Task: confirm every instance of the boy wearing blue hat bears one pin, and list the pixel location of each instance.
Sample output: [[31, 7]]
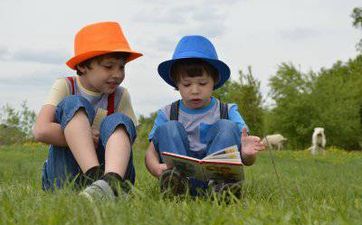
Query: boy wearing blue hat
[[198, 124]]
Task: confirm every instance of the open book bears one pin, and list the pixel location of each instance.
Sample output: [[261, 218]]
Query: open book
[[222, 165]]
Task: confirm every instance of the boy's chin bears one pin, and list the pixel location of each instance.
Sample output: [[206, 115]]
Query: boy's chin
[[197, 105], [109, 91]]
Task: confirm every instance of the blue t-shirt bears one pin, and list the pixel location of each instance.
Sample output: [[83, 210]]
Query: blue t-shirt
[[198, 121]]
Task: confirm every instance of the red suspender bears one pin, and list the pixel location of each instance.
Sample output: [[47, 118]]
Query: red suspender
[[110, 104], [71, 80]]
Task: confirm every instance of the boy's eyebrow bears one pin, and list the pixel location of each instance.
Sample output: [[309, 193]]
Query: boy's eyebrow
[[185, 81]]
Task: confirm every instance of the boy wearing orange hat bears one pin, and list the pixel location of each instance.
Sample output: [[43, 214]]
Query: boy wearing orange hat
[[88, 119]]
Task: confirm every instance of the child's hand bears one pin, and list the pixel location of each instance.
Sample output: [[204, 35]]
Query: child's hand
[[161, 167], [251, 145], [95, 137]]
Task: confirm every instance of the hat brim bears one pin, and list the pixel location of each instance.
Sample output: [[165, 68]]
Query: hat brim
[[164, 70], [74, 61]]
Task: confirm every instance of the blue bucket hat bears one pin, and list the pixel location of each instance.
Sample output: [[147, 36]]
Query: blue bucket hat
[[195, 47]]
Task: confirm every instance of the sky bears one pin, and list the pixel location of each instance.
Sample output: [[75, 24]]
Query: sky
[[37, 37]]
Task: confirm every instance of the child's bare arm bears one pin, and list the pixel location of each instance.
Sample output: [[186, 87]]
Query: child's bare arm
[[46, 130], [152, 161]]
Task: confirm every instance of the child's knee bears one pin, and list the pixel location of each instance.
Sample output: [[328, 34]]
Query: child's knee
[[71, 105], [117, 119], [72, 101], [170, 130], [224, 125], [171, 127], [114, 122]]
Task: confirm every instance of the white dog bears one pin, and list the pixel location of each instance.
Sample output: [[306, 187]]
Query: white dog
[[318, 141], [274, 141]]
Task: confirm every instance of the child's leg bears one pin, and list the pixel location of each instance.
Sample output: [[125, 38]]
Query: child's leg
[[62, 164], [222, 134], [171, 137], [59, 168], [118, 150], [117, 135], [79, 138]]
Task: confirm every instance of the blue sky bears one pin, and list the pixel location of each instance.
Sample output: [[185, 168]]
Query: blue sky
[[37, 39]]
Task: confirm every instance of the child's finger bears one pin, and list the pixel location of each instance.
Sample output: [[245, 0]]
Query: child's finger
[[164, 166], [244, 132], [256, 138], [168, 166]]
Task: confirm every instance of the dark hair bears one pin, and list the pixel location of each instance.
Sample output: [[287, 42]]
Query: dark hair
[[87, 63], [192, 68]]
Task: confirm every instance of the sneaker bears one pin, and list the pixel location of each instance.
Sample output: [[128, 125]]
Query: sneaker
[[98, 190], [172, 182], [119, 186], [85, 179]]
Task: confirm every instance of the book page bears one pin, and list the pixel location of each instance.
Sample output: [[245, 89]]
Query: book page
[[233, 161], [189, 166], [229, 151], [223, 172], [231, 156]]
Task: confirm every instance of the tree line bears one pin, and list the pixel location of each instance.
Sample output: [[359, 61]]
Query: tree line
[[330, 98]]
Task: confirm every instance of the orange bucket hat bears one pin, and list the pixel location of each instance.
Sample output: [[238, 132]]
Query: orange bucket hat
[[98, 39]]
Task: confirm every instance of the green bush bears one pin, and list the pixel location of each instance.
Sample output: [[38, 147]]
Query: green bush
[[246, 94], [330, 99], [16, 125], [143, 129]]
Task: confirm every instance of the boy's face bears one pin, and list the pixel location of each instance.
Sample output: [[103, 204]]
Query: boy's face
[[103, 76], [196, 91]]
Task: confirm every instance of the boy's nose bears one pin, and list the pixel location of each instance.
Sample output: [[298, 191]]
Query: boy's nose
[[118, 74], [194, 89]]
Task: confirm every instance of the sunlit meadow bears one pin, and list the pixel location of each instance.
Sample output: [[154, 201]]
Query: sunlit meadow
[[286, 187]]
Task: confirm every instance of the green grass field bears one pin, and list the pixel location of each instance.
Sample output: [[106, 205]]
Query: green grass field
[[326, 189]]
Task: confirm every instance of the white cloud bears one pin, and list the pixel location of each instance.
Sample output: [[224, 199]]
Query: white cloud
[[299, 33], [49, 56], [35, 46]]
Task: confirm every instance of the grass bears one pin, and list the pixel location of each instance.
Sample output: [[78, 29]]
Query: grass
[[325, 189]]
